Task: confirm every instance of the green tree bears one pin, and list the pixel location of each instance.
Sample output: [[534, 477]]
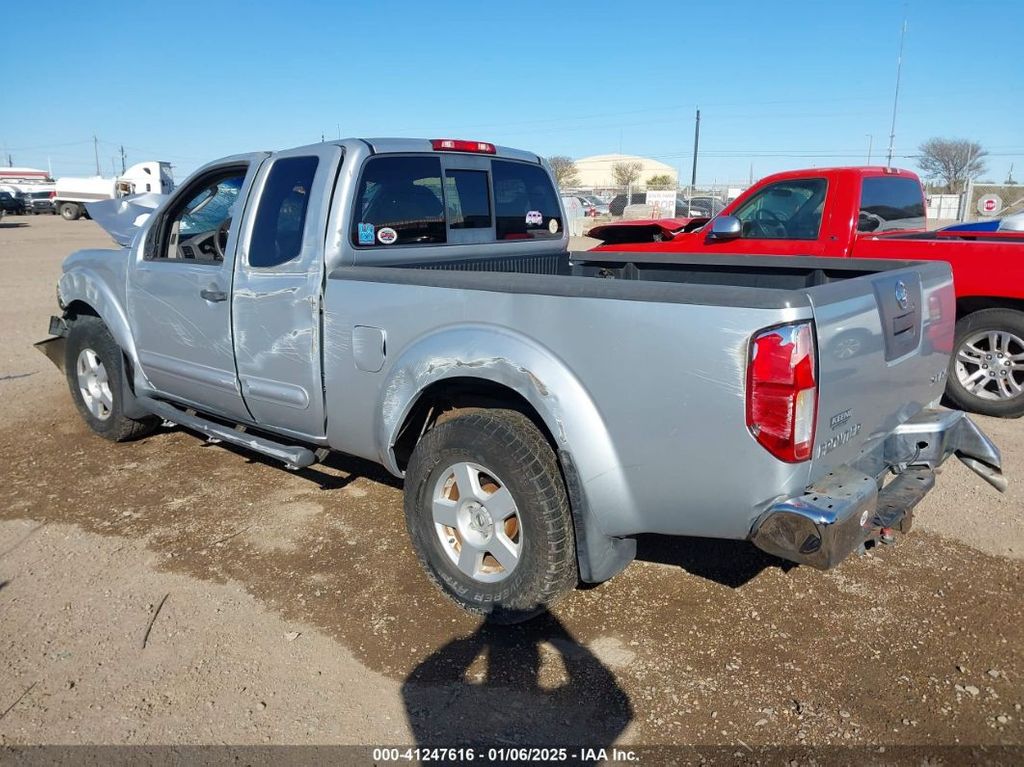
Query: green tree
[[661, 181]]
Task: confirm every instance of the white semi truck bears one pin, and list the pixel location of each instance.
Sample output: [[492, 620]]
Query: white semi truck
[[73, 193]]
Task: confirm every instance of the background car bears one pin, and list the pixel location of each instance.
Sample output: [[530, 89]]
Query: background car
[[619, 202], [699, 207], [592, 205], [9, 203], [39, 202]]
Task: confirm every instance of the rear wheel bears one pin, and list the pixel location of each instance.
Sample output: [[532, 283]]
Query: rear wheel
[[488, 515], [70, 211], [95, 369], [986, 372]]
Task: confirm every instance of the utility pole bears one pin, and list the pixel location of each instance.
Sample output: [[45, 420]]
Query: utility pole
[[870, 141], [896, 97], [696, 144], [123, 165], [96, 152]]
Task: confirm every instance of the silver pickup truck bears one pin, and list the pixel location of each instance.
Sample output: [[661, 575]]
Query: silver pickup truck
[[414, 302]]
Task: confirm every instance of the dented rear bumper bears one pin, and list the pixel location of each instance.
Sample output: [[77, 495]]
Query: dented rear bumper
[[848, 507]]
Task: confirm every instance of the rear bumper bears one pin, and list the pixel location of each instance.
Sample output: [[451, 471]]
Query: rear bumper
[[838, 514]]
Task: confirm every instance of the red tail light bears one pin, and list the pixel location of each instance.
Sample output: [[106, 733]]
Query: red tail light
[[458, 145], [782, 391]]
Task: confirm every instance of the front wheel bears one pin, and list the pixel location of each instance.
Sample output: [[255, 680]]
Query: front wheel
[[489, 517], [95, 369], [986, 372]]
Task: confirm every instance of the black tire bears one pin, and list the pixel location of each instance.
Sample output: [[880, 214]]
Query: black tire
[[508, 444], [1005, 321], [89, 333], [70, 211]]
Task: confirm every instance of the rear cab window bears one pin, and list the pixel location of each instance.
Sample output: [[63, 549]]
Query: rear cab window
[[452, 199], [888, 202]]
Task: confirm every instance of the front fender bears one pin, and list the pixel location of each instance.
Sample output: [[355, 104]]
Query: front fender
[[96, 286], [520, 363]]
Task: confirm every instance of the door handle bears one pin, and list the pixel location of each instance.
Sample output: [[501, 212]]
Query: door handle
[[212, 294]]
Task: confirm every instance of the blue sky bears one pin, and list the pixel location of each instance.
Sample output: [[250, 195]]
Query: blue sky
[[780, 85]]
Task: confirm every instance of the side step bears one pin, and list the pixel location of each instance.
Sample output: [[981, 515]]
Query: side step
[[293, 456]]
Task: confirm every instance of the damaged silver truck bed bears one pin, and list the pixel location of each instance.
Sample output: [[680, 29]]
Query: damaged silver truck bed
[[413, 302]]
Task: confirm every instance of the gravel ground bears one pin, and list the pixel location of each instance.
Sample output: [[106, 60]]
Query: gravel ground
[[288, 607]]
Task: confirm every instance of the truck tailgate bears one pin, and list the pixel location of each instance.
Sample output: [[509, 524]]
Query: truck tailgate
[[884, 341]]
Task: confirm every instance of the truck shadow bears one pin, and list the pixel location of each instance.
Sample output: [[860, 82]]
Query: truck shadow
[[529, 685], [730, 563]]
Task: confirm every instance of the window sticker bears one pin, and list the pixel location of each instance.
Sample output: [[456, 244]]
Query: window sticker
[[387, 235], [534, 217], [365, 234], [553, 226]]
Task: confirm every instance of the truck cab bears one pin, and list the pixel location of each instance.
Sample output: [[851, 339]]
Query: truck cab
[[224, 298]]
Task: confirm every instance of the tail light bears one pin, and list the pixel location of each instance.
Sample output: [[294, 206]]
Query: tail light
[[782, 391], [458, 145]]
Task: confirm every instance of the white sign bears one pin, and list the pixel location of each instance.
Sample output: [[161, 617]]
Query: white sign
[[663, 203], [990, 204]]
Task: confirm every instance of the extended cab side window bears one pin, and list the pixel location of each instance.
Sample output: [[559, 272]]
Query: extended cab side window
[[399, 202], [195, 229], [887, 203], [785, 210], [281, 215], [526, 206]]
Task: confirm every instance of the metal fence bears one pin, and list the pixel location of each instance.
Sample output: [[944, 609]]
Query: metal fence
[[632, 202], [984, 201]]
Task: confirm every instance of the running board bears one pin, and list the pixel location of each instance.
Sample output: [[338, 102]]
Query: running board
[[293, 456]]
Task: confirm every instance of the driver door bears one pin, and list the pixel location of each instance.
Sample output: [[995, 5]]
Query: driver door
[[784, 218], [180, 288]]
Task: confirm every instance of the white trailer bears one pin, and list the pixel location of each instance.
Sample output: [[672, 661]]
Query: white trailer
[[73, 193]]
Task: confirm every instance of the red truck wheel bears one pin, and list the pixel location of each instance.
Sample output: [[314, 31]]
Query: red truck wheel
[[986, 372]]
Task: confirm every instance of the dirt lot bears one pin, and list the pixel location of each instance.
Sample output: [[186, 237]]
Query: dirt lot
[[294, 612]]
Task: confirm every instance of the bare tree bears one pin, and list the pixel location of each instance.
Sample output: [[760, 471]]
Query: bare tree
[[661, 181], [953, 161], [566, 174], [626, 173]]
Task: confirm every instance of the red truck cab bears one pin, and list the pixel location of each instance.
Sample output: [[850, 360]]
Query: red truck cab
[[878, 212]]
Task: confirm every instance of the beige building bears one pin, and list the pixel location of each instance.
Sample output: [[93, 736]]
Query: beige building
[[596, 172]]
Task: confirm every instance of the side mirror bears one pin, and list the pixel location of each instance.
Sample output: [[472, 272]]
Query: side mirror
[[725, 228]]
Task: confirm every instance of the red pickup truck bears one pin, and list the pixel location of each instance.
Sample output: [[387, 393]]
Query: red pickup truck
[[874, 212]]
